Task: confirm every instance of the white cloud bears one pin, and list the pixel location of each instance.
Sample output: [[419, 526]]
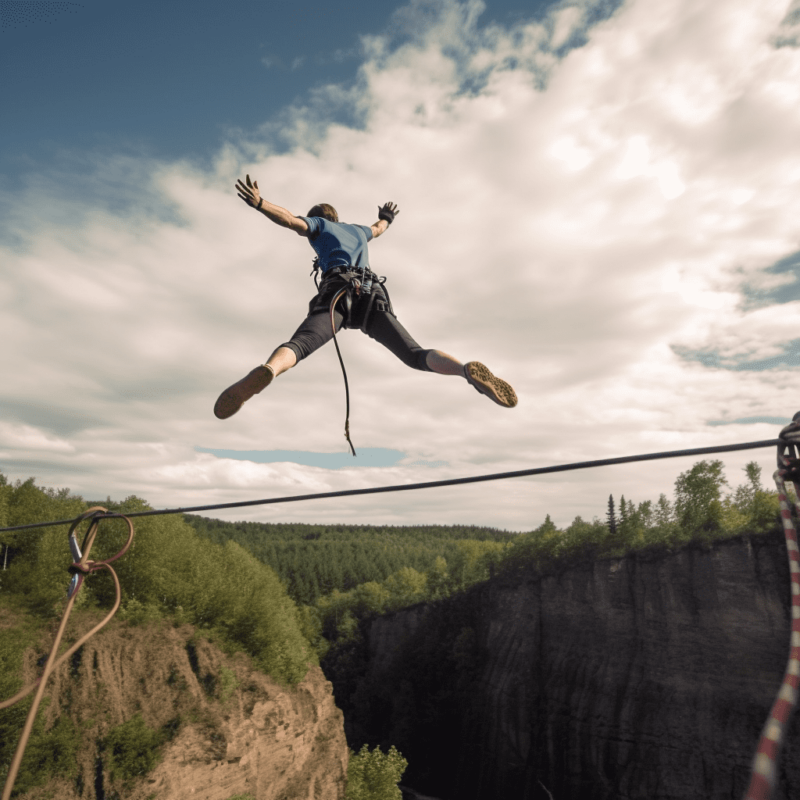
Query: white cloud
[[567, 221], [26, 438]]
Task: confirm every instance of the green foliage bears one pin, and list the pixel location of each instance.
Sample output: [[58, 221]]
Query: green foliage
[[132, 749], [698, 501], [48, 754], [406, 587], [438, 579], [37, 559], [169, 571], [373, 775], [138, 613], [701, 513], [313, 560]]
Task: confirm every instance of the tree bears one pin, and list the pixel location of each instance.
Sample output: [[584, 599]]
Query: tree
[[645, 513], [438, 579], [374, 775], [698, 500], [756, 507], [611, 516], [631, 527], [406, 587], [370, 598], [663, 515]]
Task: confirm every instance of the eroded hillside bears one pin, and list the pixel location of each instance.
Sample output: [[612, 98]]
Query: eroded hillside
[[210, 725]]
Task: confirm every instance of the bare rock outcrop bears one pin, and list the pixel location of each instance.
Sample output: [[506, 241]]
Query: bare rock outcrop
[[235, 731], [644, 677]]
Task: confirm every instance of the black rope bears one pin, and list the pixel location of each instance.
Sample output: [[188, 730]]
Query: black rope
[[497, 476], [344, 371]]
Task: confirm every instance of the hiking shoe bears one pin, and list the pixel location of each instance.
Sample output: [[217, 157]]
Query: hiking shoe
[[234, 397], [486, 383]]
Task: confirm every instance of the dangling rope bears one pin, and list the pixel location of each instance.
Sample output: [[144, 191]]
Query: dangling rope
[[335, 300], [764, 774], [79, 569]]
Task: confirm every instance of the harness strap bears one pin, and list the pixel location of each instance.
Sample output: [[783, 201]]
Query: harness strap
[[315, 272]]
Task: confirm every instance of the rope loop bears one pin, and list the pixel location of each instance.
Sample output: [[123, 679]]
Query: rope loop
[[82, 566]]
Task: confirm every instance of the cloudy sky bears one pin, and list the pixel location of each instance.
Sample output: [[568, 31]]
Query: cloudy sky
[[599, 200]]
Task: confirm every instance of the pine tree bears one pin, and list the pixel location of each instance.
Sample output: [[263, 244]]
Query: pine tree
[[611, 516]]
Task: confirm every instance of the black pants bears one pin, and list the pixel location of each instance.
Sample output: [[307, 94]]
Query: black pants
[[382, 326]]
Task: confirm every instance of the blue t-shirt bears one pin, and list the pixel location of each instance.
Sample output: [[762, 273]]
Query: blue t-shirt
[[338, 244]]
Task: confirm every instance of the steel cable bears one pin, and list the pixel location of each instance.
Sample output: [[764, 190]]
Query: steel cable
[[406, 487]]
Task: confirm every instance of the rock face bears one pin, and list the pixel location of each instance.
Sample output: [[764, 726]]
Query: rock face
[[234, 730], [645, 677]]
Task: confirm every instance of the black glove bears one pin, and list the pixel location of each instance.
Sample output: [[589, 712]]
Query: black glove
[[388, 212]]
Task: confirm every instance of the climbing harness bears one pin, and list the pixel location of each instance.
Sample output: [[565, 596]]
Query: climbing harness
[[764, 775], [80, 568], [362, 291]]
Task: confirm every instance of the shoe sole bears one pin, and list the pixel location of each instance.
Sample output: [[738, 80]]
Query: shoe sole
[[498, 390], [234, 397]]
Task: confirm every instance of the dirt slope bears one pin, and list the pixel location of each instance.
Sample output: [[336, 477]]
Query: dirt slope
[[232, 729]]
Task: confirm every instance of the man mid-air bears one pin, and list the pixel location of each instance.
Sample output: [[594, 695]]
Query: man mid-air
[[343, 258]]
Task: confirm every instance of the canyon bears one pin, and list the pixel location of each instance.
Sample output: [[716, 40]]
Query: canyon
[[648, 676]]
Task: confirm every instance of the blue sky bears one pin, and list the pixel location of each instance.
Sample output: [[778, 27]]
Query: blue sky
[[171, 80], [599, 201]]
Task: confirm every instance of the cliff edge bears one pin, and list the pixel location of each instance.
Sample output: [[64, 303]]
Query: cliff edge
[[649, 677]]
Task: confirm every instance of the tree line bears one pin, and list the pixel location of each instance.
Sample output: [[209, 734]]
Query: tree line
[[339, 575]]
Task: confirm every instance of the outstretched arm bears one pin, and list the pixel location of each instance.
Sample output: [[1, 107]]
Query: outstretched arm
[[386, 214], [280, 216]]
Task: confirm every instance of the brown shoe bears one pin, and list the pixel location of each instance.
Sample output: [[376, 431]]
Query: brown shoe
[[234, 397], [486, 383]]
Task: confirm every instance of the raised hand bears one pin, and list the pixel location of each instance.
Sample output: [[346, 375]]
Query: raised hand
[[388, 211], [249, 192]]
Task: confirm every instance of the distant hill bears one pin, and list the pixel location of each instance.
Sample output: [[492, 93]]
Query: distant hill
[[314, 560]]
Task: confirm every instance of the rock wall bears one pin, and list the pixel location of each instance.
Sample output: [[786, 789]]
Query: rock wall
[[645, 677], [236, 730]]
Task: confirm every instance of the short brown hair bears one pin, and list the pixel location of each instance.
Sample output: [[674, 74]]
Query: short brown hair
[[325, 210]]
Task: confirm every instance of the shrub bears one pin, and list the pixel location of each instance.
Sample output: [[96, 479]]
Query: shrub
[[49, 753], [133, 749], [374, 775]]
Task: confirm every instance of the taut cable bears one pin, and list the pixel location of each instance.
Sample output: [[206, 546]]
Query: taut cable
[[406, 487]]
